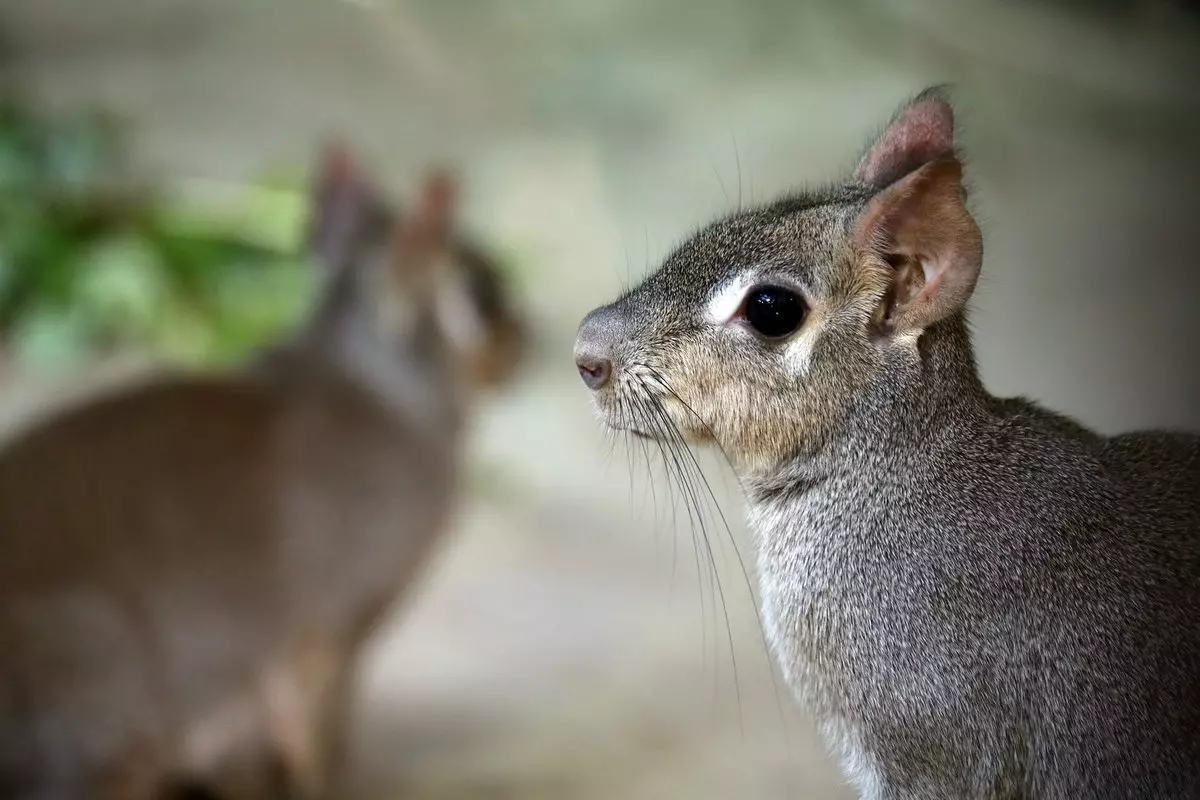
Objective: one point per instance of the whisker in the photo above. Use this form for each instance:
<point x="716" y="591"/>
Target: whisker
<point x="629" y="452"/>
<point x="679" y="477"/>
<point x="628" y="280"/>
<point x="738" y="160"/>
<point x="645" y="248"/>
<point x="638" y="420"/>
<point x="645" y="422"/>
<point x="611" y="436"/>
<point x="690" y="469"/>
<point x="672" y="443"/>
<point x="700" y="474"/>
<point x="724" y="190"/>
<point x="636" y="415"/>
<point x="672" y="467"/>
<point x="661" y="381"/>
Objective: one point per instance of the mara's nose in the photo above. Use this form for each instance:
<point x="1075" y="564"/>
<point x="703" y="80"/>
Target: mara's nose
<point x="594" y="370"/>
<point x="594" y="347"/>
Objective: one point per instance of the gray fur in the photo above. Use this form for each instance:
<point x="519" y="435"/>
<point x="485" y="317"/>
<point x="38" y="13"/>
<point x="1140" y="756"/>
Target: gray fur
<point x="974" y="596"/>
<point x="194" y="567"/>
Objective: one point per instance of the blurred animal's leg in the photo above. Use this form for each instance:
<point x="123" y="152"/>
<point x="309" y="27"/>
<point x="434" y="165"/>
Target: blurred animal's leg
<point x="302" y="700"/>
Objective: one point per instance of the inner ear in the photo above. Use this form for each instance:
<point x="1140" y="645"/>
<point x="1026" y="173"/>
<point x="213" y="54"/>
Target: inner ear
<point x="919" y="227"/>
<point x="424" y="234"/>
<point x="907" y="281"/>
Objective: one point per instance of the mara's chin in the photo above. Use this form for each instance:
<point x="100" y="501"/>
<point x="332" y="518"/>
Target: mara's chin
<point x="665" y="427"/>
<point x="623" y="428"/>
<point x="673" y="436"/>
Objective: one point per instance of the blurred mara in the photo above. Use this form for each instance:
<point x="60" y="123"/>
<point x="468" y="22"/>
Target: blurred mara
<point x="192" y="567"/>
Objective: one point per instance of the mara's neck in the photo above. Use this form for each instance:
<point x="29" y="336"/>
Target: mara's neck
<point x="343" y="341"/>
<point x="916" y="405"/>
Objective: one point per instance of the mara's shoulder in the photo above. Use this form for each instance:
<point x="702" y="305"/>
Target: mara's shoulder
<point x="1157" y="447"/>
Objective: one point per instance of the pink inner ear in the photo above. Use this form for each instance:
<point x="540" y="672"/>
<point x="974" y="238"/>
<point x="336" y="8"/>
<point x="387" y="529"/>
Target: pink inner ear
<point x="922" y="218"/>
<point x="438" y="199"/>
<point x="429" y="223"/>
<point x="912" y="208"/>
<point x="921" y="133"/>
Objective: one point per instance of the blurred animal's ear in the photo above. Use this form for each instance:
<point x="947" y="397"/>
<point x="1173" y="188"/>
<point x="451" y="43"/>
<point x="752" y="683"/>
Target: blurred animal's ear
<point x="922" y="131"/>
<point x="343" y="209"/>
<point x="424" y="234"/>
<point x="486" y="322"/>
<point x="919" y="227"/>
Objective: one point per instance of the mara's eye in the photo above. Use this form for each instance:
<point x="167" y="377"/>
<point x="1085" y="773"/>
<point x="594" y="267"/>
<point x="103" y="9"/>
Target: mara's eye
<point x="774" y="311"/>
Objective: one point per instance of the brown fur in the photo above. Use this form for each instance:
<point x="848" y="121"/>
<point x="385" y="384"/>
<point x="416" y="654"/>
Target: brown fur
<point x="194" y="565"/>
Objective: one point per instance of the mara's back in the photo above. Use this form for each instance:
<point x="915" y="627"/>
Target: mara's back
<point x="200" y="476"/>
<point x="1102" y="536"/>
<point x="192" y="567"/>
<point x="162" y="545"/>
<point x="116" y="521"/>
<point x="120" y="483"/>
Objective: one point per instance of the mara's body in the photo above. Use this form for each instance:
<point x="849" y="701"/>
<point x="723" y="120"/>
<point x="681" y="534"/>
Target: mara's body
<point x="172" y="551"/>
<point x="192" y="567"/>
<point x="1006" y="607"/>
<point x="976" y="598"/>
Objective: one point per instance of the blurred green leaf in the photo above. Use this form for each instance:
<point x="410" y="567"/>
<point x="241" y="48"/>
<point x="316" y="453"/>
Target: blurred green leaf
<point x="121" y="284"/>
<point x="257" y="216"/>
<point x="49" y="336"/>
<point x="90" y="261"/>
<point x="182" y="335"/>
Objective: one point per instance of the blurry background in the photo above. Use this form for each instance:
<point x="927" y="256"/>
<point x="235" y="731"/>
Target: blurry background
<point x="566" y="644"/>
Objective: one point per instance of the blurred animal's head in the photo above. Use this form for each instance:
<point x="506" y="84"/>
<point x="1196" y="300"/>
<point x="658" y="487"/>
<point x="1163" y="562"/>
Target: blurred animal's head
<point x="410" y="277"/>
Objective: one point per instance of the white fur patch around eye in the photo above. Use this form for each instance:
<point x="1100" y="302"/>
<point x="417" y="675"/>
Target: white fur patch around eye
<point x="728" y="297"/>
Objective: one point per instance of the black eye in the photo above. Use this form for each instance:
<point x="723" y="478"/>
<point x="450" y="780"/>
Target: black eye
<point x="774" y="311"/>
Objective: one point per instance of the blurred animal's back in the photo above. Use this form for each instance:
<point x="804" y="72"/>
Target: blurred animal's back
<point x="191" y="565"/>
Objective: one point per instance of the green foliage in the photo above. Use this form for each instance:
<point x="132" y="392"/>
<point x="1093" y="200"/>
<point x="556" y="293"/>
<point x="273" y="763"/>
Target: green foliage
<point x="90" y="263"/>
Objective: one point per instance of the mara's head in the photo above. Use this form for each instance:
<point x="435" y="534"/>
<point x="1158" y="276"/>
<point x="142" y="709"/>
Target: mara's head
<point x="408" y="278"/>
<point x="759" y="332"/>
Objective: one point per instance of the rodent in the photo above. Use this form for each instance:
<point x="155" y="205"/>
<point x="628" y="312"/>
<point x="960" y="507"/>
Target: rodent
<point x="975" y="597"/>
<point x="193" y="565"/>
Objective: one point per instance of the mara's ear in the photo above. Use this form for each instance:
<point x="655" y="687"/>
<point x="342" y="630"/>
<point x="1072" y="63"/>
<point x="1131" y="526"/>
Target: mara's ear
<point x="343" y="207"/>
<point x="923" y="130"/>
<point x="921" y="229"/>
<point x="424" y="232"/>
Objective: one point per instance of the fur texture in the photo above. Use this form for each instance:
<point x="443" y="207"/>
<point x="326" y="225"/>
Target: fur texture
<point x="192" y="567"/>
<point x="975" y="597"/>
